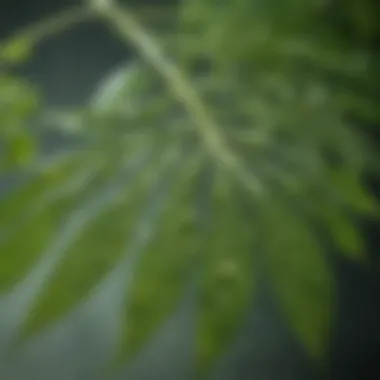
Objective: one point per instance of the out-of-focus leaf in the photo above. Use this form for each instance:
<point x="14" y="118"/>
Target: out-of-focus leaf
<point x="333" y="219"/>
<point x="127" y="90"/>
<point x="16" y="50"/>
<point x="18" y="101"/>
<point x="19" y="250"/>
<point x="115" y="89"/>
<point x="51" y="176"/>
<point x="352" y="191"/>
<point x="20" y="150"/>
<point x="345" y="234"/>
<point x="228" y="278"/>
<point x="69" y="122"/>
<point x="94" y="253"/>
<point x="363" y="107"/>
<point x="362" y="15"/>
<point x="29" y="220"/>
<point x="299" y="275"/>
<point x="32" y="214"/>
<point x="167" y="262"/>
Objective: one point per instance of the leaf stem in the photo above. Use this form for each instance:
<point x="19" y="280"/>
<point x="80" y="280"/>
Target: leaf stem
<point x="132" y="32"/>
<point x="52" y="25"/>
<point x="59" y="22"/>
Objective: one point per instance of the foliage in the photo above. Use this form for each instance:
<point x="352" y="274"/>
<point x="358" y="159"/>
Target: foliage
<point x="247" y="94"/>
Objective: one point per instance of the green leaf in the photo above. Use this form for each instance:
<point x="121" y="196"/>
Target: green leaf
<point x="165" y="268"/>
<point x="29" y="219"/>
<point x="228" y="278"/>
<point x="18" y="101"/>
<point x="299" y="275"/>
<point x="362" y="15"/>
<point x="21" y="150"/>
<point x="352" y="192"/>
<point x="16" y="50"/>
<point x="96" y="250"/>
<point x="346" y="235"/>
<point x="48" y="178"/>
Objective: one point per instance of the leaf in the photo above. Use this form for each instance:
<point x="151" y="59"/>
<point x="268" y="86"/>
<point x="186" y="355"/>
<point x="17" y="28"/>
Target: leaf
<point x="20" y="250"/>
<point x="16" y="50"/>
<point x="299" y="275"/>
<point x="166" y="265"/>
<point x="350" y="189"/>
<point x="361" y="14"/>
<point x="50" y="177"/>
<point x="29" y="219"/>
<point x="94" y="252"/>
<point x="332" y="219"/>
<point x="345" y="234"/>
<point x="37" y="209"/>
<point x="18" y="101"/>
<point x="228" y="278"/>
<point x="115" y="90"/>
<point x="21" y="150"/>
